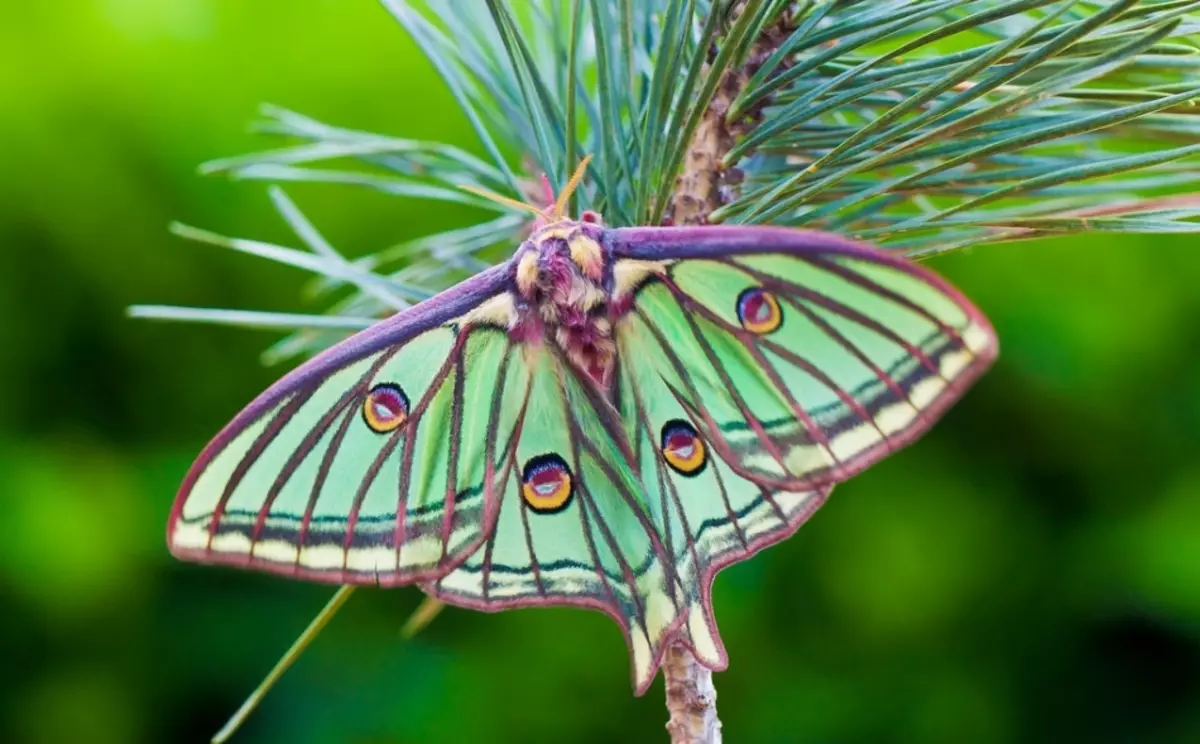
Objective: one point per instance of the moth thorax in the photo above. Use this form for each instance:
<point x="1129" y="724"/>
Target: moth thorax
<point x="575" y="311"/>
<point x="590" y="348"/>
<point x="556" y="255"/>
<point x="560" y="271"/>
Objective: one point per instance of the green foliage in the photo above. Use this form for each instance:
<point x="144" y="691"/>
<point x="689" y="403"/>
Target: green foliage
<point x="925" y="125"/>
<point x="1029" y="573"/>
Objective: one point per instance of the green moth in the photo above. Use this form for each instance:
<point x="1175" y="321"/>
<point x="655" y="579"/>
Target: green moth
<point x="605" y="420"/>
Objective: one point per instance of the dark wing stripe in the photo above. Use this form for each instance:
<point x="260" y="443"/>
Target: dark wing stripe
<point x="665" y="508"/>
<point x="587" y="503"/>
<point x="716" y="435"/>
<point x="489" y="454"/>
<point x="858" y="354"/>
<point x="533" y="559"/>
<point x="491" y="525"/>
<point x="510" y="456"/>
<point x="631" y="500"/>
<point x="410" y="425"/>
<point x="733" y="519"/>
<point x="406" y="463"/>
<point x="579" y="444"/>
<point x="319" y="482"/>
<point x="816" y="432"/>
<point x="683" y="520"/>
<point x="717" y="439"/>
<point x="579" y="440"/>
<point x="590" y="539"/>
<point x="813" y="430"/>
<point x="799" y="362"/>
<point x="642" y="423"/>
<point x="808" y="367"/>
<point x="486" y="578"/>
<point x="303" y="450"/>
<point x="385" y="452"/>
<point x="489" y="469"/>
<point x="231" y="507"/>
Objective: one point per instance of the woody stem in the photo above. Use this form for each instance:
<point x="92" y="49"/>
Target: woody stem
<point x="691" y="698"/>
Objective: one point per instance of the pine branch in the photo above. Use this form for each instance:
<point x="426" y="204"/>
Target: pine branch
<point x="921" y="125"/>
<point x="706" y="182"/>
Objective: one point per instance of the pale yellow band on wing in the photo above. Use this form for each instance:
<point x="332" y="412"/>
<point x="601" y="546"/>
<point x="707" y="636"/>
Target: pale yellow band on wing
<point x="423" y="552"/>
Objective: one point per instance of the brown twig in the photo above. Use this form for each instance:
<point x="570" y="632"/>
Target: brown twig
<point x="704" y="185"/>
<point x="691" y="698"/>
<point x="705" y="182"/>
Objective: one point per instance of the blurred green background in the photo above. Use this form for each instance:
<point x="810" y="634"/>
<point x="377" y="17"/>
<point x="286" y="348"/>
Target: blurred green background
<point x="1029" y="572"/>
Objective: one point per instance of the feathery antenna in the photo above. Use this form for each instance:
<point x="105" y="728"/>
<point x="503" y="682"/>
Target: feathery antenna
<point x="560" y="205"/>
<point x="555" y="211"/>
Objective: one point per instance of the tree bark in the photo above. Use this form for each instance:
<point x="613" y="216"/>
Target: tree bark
<point x="691" y="699"/>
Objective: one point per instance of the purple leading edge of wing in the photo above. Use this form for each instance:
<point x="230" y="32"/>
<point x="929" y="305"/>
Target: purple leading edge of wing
<point x="707" y="241"/>
<point x="393" y="330"/>
<point x="716" y="241"/>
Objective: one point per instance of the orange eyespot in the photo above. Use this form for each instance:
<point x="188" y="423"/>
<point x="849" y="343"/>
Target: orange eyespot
<point x="546" y="484"/>
<point x="759" y="311"/>
<point x="682" y="448"/>
<point x="385" y="408"/>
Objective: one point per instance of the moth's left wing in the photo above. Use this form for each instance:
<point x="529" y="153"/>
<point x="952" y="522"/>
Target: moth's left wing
<point x="800" y="357"/>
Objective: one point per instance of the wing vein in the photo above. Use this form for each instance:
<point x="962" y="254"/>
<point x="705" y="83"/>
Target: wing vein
<point x="752" y="420"/>
<point x="839" y="308"/>
<point x="256" y="448"/>
<point x="716" y="435"/>
<point x="319" y="481"/>
<point x="456" y="417"/>
<point x="856" y="278"/>
<point x="411" y="425"/>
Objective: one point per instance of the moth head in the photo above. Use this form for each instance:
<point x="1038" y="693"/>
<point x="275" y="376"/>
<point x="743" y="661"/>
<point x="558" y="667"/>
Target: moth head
<point x="558" y="258"/>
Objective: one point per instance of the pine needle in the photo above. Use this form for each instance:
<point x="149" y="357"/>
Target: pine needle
<point x="310" y="633"/>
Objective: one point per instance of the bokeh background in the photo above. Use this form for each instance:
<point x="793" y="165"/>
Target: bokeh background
<point x="1029" y="572"/>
